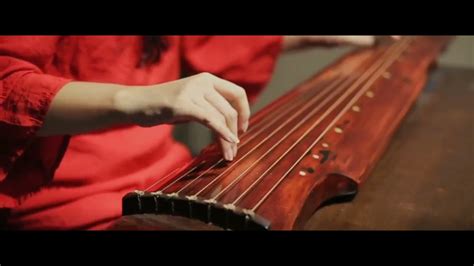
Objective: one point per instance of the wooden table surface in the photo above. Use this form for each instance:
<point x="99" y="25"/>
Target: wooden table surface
<point x="425" y="180"/>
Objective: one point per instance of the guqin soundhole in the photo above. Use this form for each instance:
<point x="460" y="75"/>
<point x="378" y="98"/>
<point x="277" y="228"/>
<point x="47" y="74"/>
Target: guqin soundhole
<point x="316" y="143"/>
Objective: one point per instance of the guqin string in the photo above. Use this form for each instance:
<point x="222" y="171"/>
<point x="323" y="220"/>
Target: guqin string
<point x="341" y="113"/>
<point x="314" y="110"/>
<point x="335" y="87"/>
<point x="253" y="132"/>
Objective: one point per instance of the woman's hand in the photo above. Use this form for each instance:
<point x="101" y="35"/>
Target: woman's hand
<point x="216" y="103"/>
<point x="298" y="42"/>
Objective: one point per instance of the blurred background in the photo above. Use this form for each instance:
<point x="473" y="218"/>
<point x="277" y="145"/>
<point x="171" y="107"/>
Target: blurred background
<point x="294" y="68"/>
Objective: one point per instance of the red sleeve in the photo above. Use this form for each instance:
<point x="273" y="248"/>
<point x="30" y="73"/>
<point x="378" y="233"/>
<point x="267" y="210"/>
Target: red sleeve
<point x="25" y="95"/>
<point x="248" y="61"/>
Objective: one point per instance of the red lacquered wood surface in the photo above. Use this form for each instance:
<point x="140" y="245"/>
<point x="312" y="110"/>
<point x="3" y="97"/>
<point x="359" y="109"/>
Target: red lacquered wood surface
<point x="317" y="143"/>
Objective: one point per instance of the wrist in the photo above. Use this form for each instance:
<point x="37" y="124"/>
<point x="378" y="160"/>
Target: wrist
<point x="299" y="42"/>
<point x="141" y="106"/>
<point x="292" y="42"/>
<point x="127" y="104"/>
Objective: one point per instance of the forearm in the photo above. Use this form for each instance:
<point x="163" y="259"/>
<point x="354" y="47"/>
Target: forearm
<point x="81" y="107"/>
<point x="297" y="42"/>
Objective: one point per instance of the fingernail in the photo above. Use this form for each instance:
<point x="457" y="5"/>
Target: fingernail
<point x="234" y="139"/>
<point x="234" y="149"/>
<point x="228" y="155"/>
<point x="246" y="126"/>
<point x="231" y="138"/>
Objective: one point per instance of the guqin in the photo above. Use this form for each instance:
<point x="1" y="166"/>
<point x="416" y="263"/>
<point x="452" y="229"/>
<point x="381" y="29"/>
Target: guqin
<point x="317" y="143"/>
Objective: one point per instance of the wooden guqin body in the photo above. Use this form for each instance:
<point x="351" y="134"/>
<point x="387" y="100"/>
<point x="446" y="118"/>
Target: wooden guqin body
<point x="314" y="144"/>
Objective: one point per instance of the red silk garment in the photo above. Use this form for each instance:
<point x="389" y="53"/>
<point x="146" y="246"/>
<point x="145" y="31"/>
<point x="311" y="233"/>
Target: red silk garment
<point x="77" y="182"/>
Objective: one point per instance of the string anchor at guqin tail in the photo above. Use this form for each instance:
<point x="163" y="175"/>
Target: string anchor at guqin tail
<point x="225" y="216"/>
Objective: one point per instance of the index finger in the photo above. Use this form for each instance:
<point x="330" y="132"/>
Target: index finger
<point x="237" y="97"/>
